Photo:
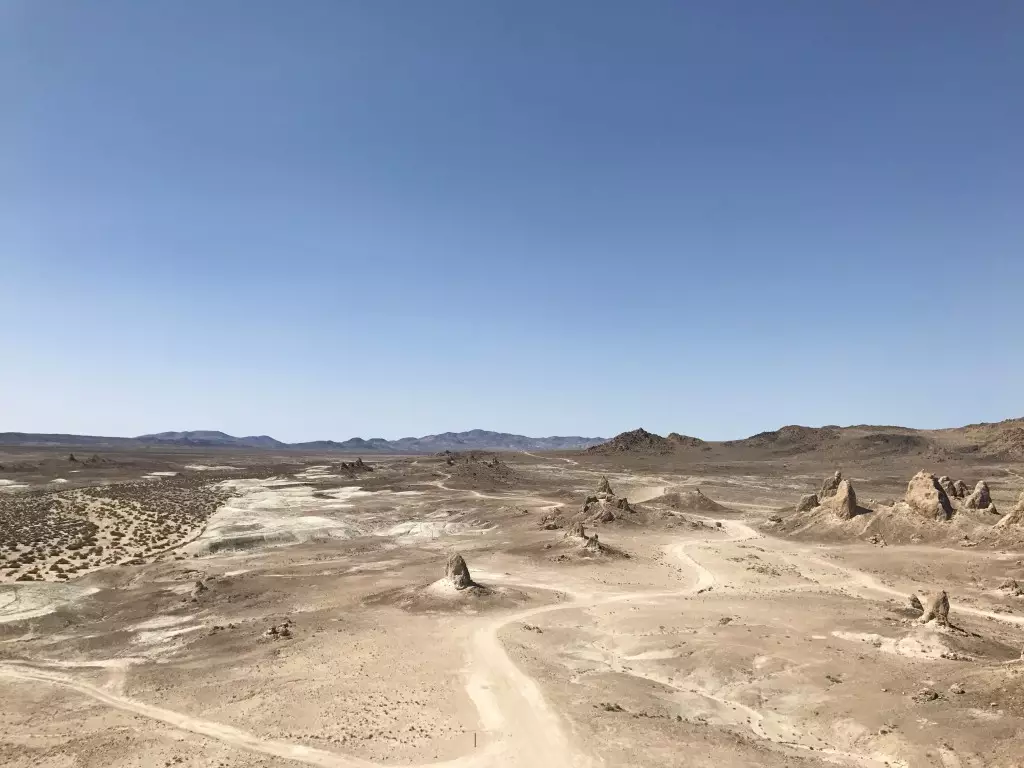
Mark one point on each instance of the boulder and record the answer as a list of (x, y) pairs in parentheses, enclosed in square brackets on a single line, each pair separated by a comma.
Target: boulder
[(605, 487), (830, 486), (915, 603), (926, 498), (948, 486), (624, 505), (961, 489), (938, 609), (844, 502), (807, 503), (457, 572)]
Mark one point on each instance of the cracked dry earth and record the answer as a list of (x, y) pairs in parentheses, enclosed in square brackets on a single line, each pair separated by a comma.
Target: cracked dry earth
[(711, 644)]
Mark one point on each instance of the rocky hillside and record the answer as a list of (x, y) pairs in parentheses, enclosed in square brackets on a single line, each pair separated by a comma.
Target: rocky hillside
[(636, 441), (999, 441)]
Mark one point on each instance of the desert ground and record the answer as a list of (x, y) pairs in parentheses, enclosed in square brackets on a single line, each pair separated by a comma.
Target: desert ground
[(618, 608)]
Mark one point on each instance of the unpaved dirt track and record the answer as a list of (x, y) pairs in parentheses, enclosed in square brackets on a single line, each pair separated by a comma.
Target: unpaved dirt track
[(521, 728)]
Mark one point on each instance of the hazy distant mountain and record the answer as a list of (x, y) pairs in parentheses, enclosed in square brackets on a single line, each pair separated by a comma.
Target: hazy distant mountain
[(476, 439), (210, 439)]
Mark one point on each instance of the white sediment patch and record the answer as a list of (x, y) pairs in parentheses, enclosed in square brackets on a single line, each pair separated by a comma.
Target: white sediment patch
[(29, 601), (158, 636), (58, 480), (155, 475), (425, 529), (926, 643), (11, 485), (321, 472), (160, 622), (209, 467), (279, 511)]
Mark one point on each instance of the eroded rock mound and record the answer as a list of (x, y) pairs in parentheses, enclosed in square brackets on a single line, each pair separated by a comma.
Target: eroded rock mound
[(830, 486), (844, 501), (807, 503), (938, 609), (926, 498), (960, 489), (1015, 516), (553, 520), (915, 603), (980, 499), (457, 572), (605, 487)]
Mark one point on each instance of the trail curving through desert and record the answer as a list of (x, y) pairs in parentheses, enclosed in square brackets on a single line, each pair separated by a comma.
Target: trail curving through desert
[(520, 728)]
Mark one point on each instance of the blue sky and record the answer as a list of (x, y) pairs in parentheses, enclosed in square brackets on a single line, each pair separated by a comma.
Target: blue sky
[(327, 218)]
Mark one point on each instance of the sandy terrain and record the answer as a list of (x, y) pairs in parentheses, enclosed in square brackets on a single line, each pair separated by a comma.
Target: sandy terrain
[(285, 612)]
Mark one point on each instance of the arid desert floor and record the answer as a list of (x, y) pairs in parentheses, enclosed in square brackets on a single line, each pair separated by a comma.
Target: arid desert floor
[(232, 610)]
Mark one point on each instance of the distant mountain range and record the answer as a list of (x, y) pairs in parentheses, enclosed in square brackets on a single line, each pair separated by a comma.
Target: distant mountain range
[(1002, 441), (475, 439)]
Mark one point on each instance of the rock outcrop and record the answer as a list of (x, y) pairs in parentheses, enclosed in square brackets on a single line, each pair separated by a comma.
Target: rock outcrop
[(457, 572), (1015, 516), (577, 531), (807, 503), (844, 501), (980, 499), (915, 603), (947, 485), (926, 498), (605, 487), (830, 486), (553, 520), (938, 609), (961, 489), (605, 515)]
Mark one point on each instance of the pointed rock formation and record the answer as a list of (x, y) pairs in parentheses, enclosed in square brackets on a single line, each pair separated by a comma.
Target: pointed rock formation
[(938, 609), (605, 487), (947, 485), (830, 486), (807, 503), (457, 572), (926, 498), (981, 498), (577, 531), (961, 489), (915, 603), (844, 502)]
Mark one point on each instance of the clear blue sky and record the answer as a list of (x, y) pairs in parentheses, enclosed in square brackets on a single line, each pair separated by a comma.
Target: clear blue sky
[(381, 218)]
